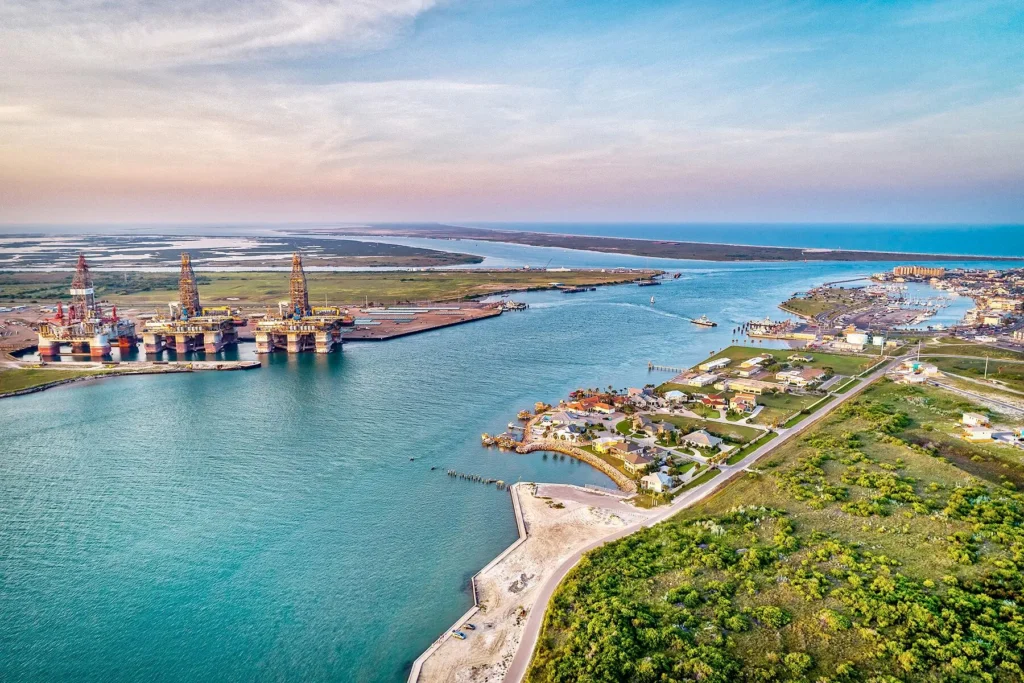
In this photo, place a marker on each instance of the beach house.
(701, 439)
(657, 482)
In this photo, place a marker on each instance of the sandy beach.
(559, 520)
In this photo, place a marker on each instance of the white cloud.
(135, 34)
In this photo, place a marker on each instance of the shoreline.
(435, 664)
(553, 520)
(101, 373)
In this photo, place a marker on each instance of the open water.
(285, 523)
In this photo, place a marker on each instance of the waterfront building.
(713, 365)
(703, 380)
(634, 463)
(658, 482)
(919, 271)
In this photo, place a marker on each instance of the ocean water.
(285, 523)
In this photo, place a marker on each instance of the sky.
(156, 111)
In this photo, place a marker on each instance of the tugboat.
(704, 321)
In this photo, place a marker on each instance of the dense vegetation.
(859, 553)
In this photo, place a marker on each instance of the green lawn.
(959, 347)
(750, 448)
(610, 459)
(844, 387)
(730, 432)
(694, 483)
(18, 379)
(780, 407)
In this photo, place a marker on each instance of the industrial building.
(83, 326)
(190, 327)
(302, 327)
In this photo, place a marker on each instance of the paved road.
(524, 653)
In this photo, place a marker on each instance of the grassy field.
(958, 347)
(1010, 374)
(831, 302)
(779, 407)
(16, 379)
(262, 288)
(871, 548)
(841, 364)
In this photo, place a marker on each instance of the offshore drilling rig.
(191, 327)
(302, 327)
(83, 325)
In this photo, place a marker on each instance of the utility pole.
(986, 368)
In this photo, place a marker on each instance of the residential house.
(715, 401)
(642, 423)
(675, 395)
(743, 403)
(701, 439)
(756, 361)
(623, 448)
(605, 444)
(658, 482)
(603, 408)
(634, 463)
(754, 386)
(801, 378)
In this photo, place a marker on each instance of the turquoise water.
(270, 525)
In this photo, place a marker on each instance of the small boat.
(471, 627)
(676, 276)
(652, 299)
(648, 283)
(704, 321)
(459, 634)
